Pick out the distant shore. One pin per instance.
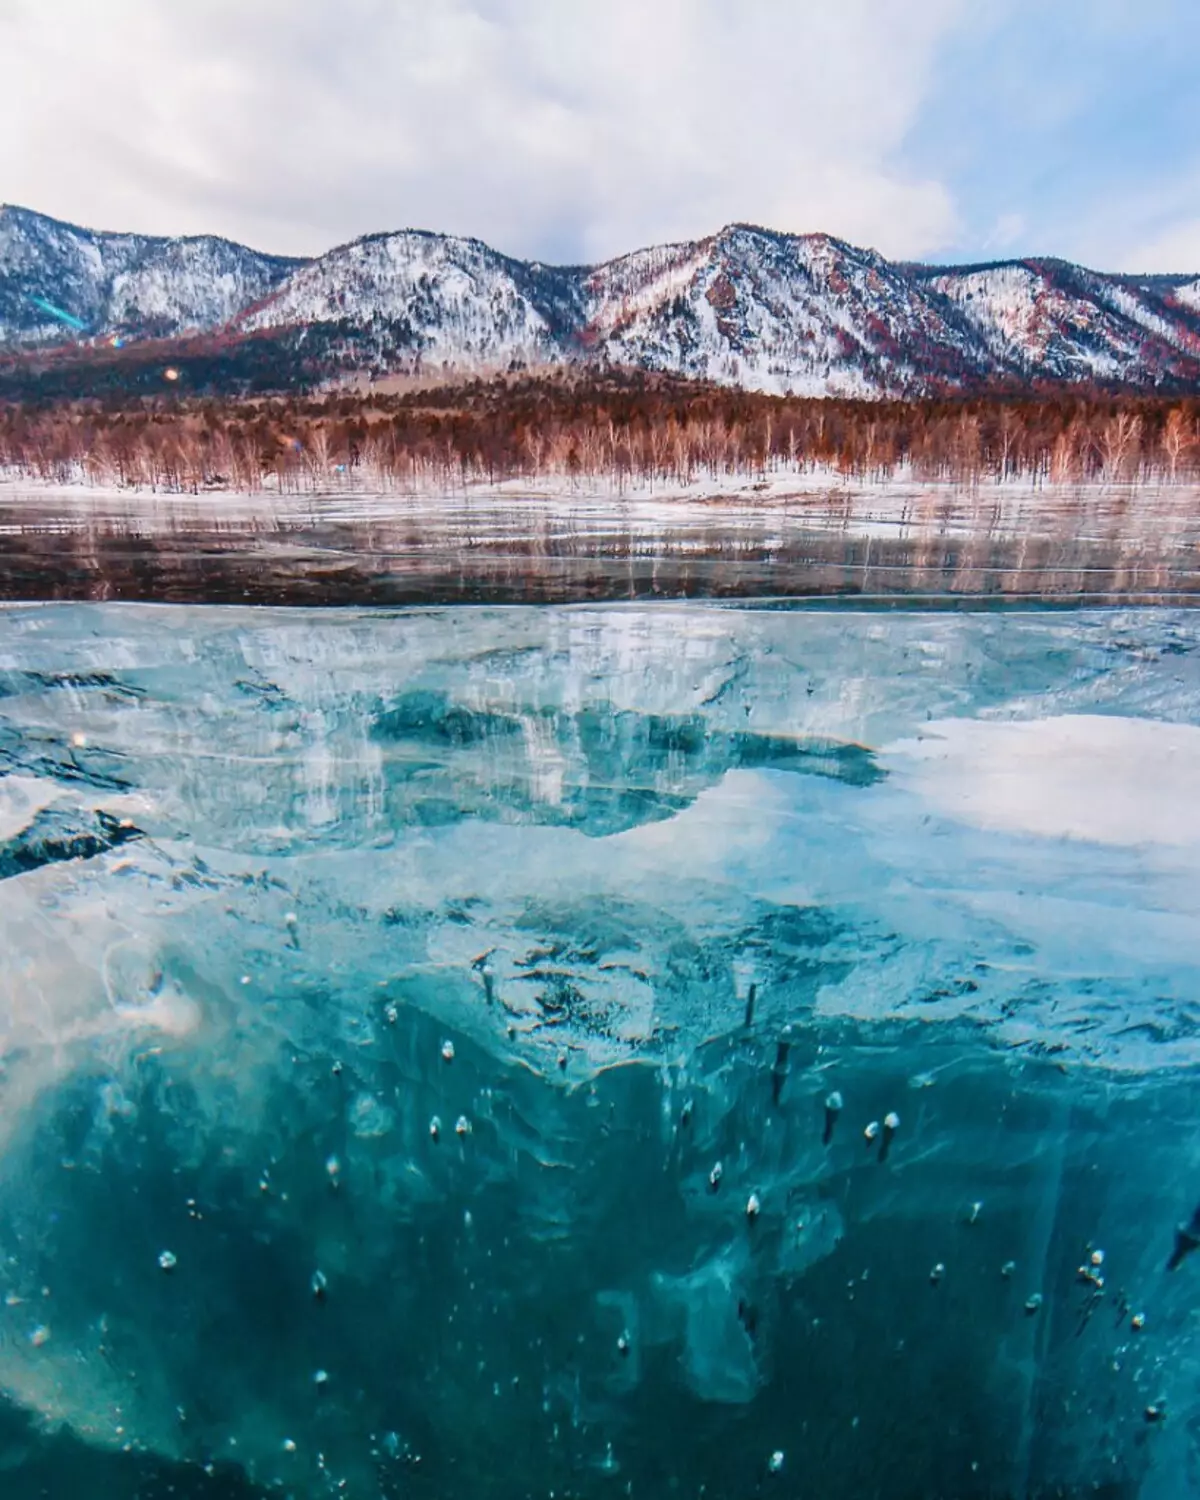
(614, 436)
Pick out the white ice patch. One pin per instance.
(21, 799)
(1092, 777)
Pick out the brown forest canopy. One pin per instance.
(623, 427)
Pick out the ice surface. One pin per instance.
(665, 878)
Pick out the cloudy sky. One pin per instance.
(572, 130)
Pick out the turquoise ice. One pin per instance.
(665, 878)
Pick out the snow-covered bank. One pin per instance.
(807, 483)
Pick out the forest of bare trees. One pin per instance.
(621, 429)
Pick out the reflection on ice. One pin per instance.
(511, 1051)
(1107, 543)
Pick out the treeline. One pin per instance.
(624, 429)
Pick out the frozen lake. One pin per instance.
(993, 543)
(598, 1049)
(718, 1015)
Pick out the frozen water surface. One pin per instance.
(602, 1050)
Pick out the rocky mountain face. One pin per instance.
(58, 281)
(776, 312)
(433, 296)
(745, 307)
(1052, 320)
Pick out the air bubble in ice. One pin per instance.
(833, 1108)
(891, 1123)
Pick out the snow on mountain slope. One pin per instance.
(1188, 295)
(432, 295)
(746, 306)
(45, 264)
(1058, 321)
(777, 312)
(1148, 313)
(1021, 318)
(192, 283)
(59, 281)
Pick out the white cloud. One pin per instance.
(552, 129)
(1006, 232)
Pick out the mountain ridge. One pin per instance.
(746, 306)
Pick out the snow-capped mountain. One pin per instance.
(777, 312)
(57, 281)
(448, 299)
(746, 307)
(1058, 321)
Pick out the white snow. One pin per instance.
(459, 298)
(1188, 295)
(117, 282)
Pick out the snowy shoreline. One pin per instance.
(807, 485)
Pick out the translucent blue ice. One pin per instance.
(664, 879)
